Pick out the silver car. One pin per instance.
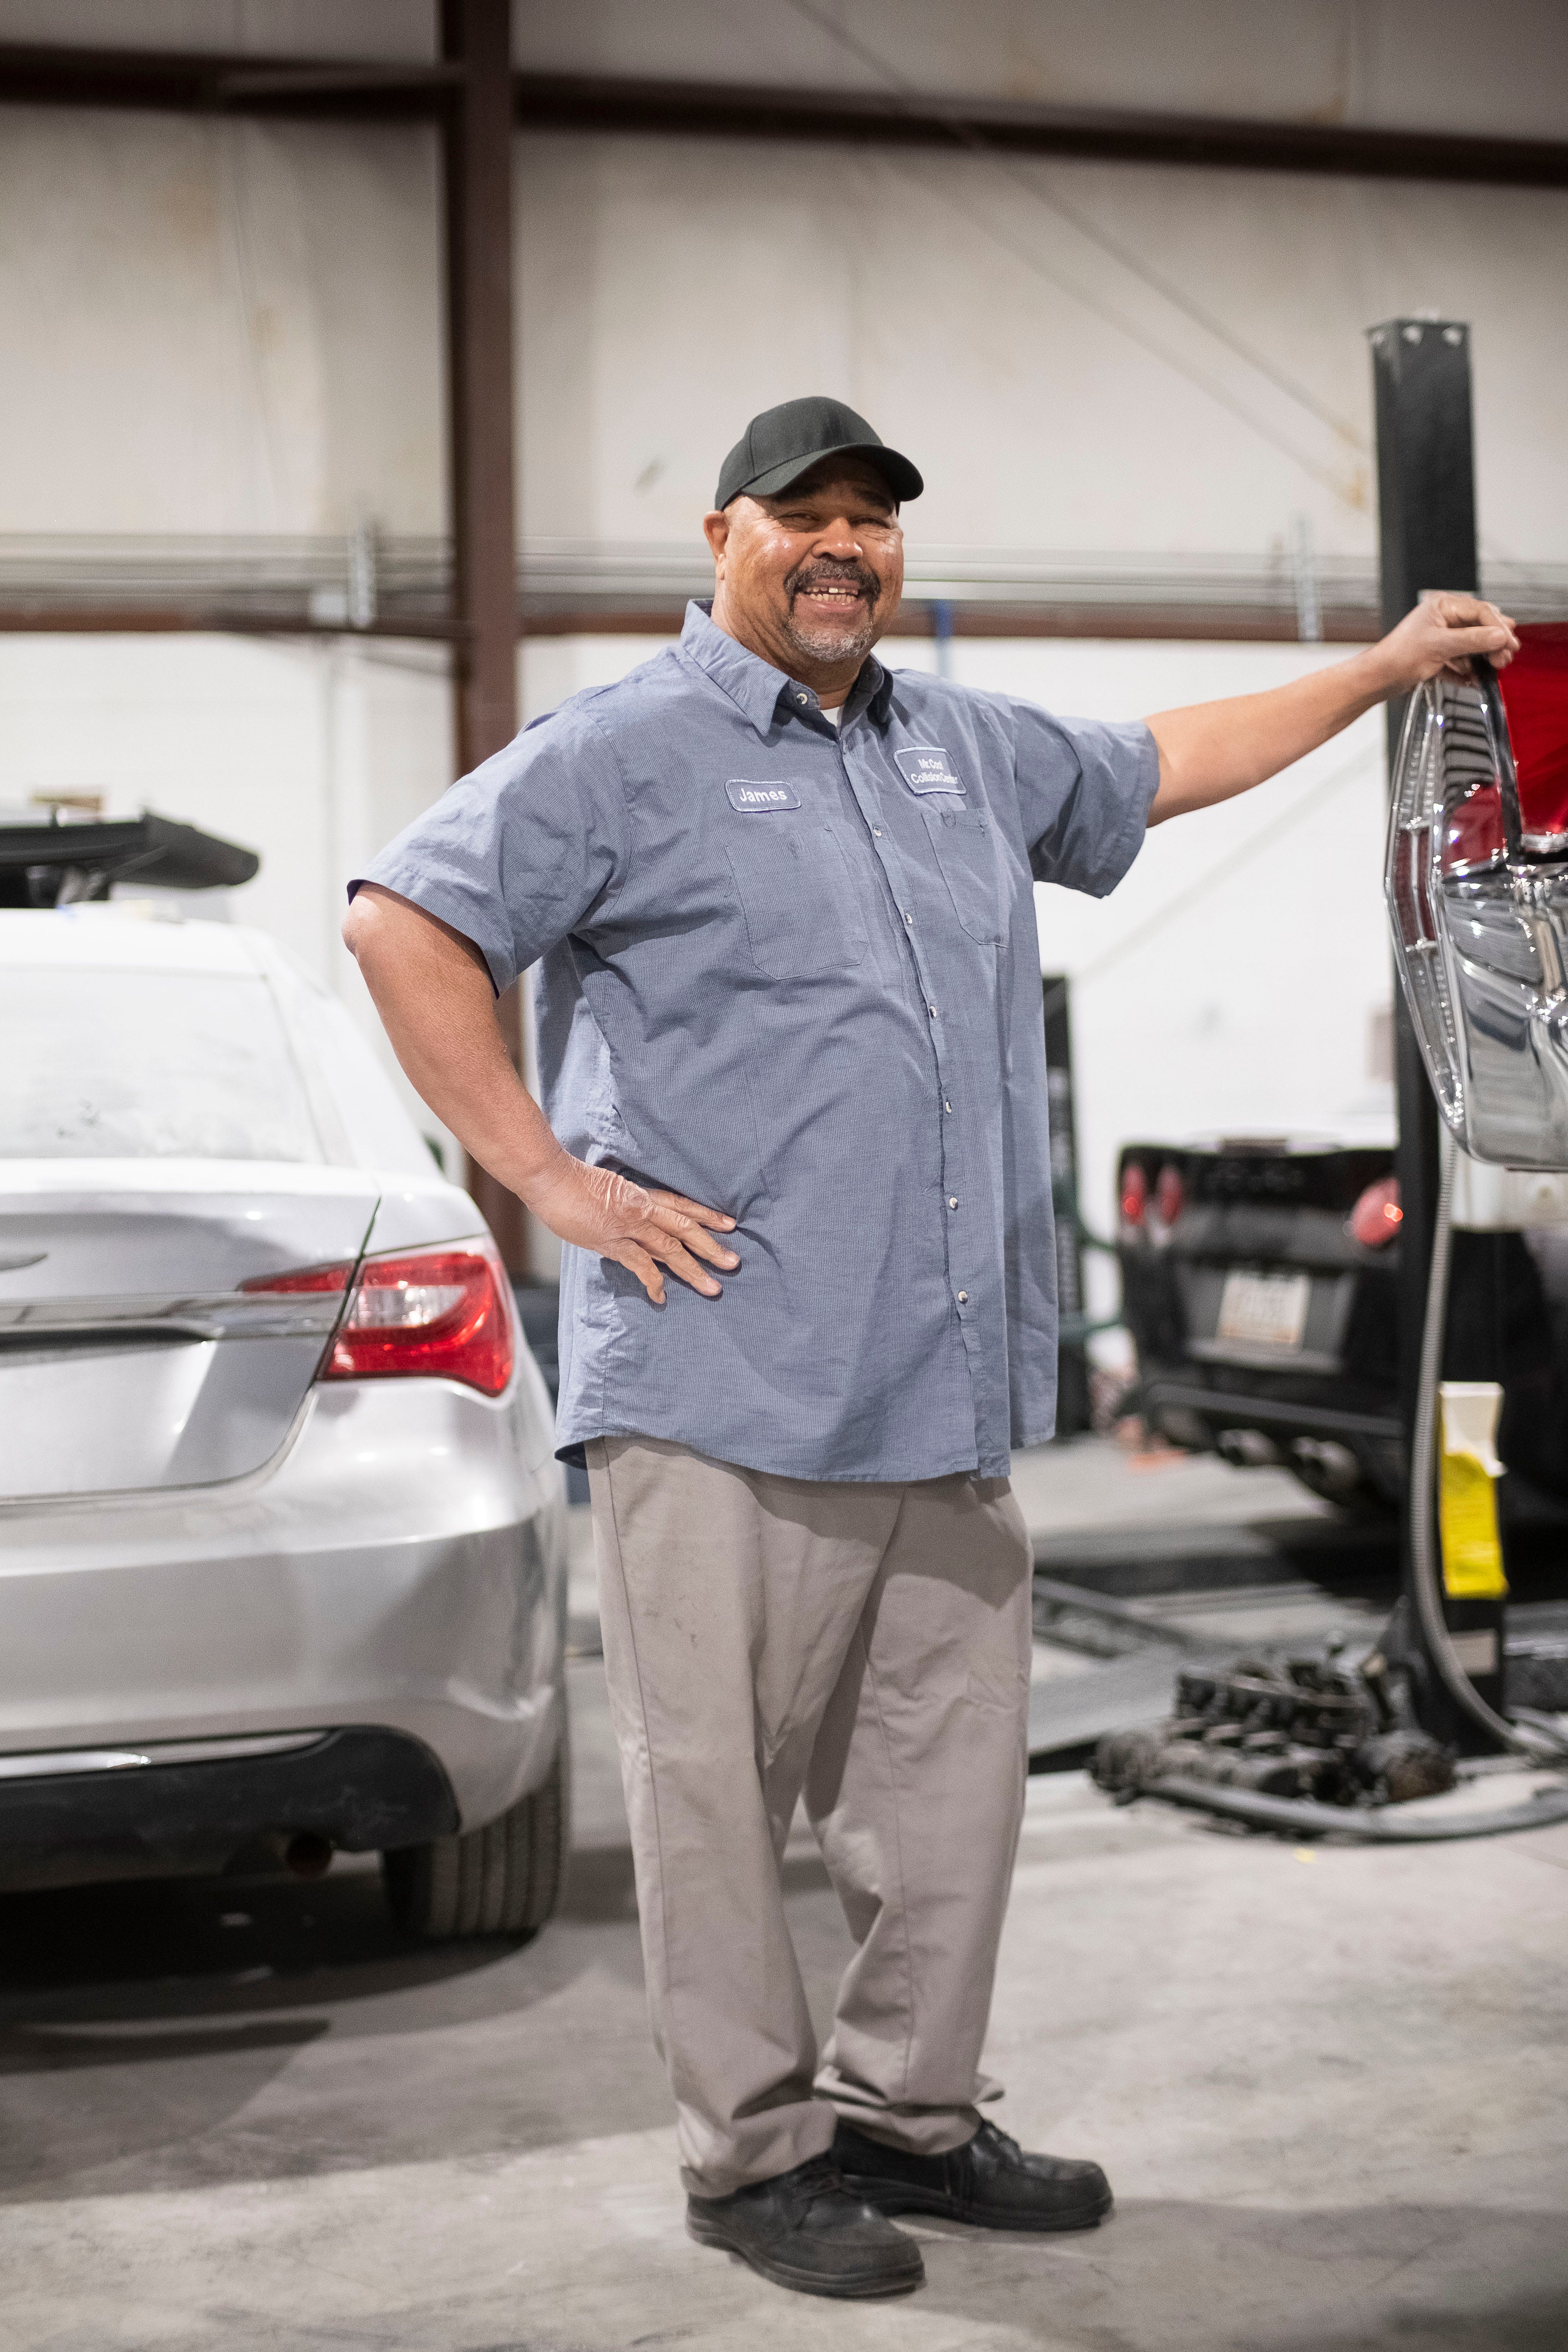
(282, 1537)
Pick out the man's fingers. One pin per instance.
(637, 1261)
(672, 1215)
(680, 1262)
(715, 1218)
(1483, 626)
(1487, 637)
(688, 1231)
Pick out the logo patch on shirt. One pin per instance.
(755, 800)
(926, 768)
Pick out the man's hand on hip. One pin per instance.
(644, 1231)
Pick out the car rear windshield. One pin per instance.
(114, 1065)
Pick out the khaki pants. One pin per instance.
(867, 1646)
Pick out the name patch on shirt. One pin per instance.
(753, 800)
(926, 768)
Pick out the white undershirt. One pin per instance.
(836, 716)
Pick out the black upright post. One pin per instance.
(1072, 1355)
(1426, 540)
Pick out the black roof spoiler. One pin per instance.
(44, 864)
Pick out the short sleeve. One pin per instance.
(1085, 786)
(517, 854)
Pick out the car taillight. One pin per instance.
(440, 1314)
(1134, 1194)
(1376, 1217)
(1169, 1194)
(1534, 689)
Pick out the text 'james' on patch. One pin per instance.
(926, 768)
(755, 800)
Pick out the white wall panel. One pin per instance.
(1054, 397)
(218, 327)
(235, 327)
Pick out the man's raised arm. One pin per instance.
(432, 989)
(1212, 751)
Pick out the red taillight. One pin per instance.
(1134, 1194)
(1169, 1194)
(1375, 1218)
(442, 1314)
(1535, 697)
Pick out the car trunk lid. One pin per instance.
(140, 1346)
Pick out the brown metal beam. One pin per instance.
(171, 80)
(1014, 127)
(102, 618)
(476, 37)
(1232, 624)
(1217, 625)
(179, 82)
(1237, 624)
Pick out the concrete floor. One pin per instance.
(1328, 2085)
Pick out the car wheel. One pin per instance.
(502, 1880)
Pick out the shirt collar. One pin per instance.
(755, 687)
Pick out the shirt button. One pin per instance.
(801, 697)
(877, 831)
(909, 919)
(963, 1297)
(952, 1199)
(947, 1107)
(932, 1010)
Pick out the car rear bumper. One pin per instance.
(361, 1789)
(1221, 1408)
(400, 1570)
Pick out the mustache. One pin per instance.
(831, 571)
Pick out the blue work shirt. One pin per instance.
(792, 971)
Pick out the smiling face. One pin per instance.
(810, 578)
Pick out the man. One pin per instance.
(781, 901)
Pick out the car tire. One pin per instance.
(502, 1880)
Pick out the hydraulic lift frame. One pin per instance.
(1426, 540)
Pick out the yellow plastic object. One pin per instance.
(1468, 1473)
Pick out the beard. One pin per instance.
(820, 638)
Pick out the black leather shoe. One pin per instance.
(805, 2229)
(989, 2181)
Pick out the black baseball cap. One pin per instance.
(784, 443)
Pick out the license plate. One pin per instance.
(1264, 1310)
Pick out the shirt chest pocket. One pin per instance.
(803, 912)
(970, 855)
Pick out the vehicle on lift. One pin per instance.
(284, 1556)
(1260, 1287)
